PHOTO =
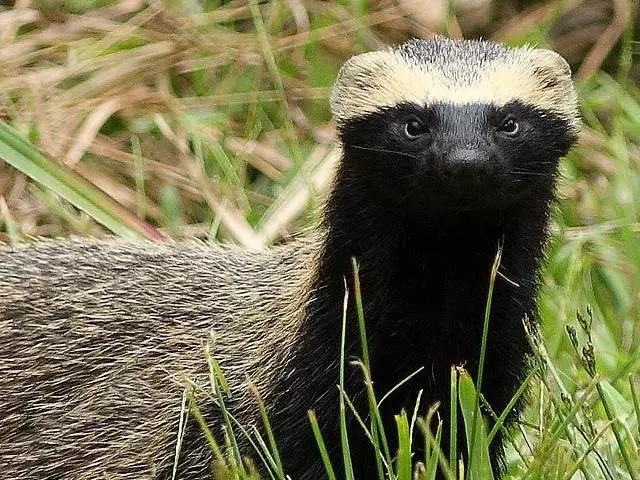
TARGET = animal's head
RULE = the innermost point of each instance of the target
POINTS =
(454, 124)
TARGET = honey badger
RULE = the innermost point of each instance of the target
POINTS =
(450, 148)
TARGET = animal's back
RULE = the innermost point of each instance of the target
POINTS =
(99, 340)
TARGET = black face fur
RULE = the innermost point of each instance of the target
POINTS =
(455, 157)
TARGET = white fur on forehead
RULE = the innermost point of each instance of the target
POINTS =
(454, 71)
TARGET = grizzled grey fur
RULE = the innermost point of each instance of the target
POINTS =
(95, 353)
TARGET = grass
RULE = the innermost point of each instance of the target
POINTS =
(183, 119)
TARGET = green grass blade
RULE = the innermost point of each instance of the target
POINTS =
(181, 430)
(366, 430)
(360, 314)
(344, 436)
(326, 461)
(377, 426)
(432, 461)
(403, 462)
(434, 456)
(521, 389)
(414, 417)
(399, 384)
(373, 406)
(479, 464)
(483, 348)
(27, 158)
(453, 420)
(267, 426)
(196, 413)
(605, 392)
(579, 463)
(218, 382)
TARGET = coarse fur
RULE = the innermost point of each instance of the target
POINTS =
(98, 340)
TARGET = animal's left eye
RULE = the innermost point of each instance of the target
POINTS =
(414, 128)
(509, 127)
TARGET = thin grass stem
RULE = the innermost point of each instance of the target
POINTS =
(324, 454)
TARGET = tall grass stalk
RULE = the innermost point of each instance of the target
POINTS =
(218, 384)
(344, 436)
(326, 461)
(453, 421)
(483, 352)
(364, 346)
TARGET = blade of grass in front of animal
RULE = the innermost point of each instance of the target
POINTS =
(499, 422)
(419, 473)
(260, 449)
(195, 411)
(25, 157)
(414, 417)
(326, 461)
(267, 426)
(235, 468)
(181, 424)
(453, 421)
(399, 384)
(367, 432)
(432, 460)
(376, 419)
(479, 465)
(508, 435)
(344, 437)
(483, 348)
(434, 456)
(360, 313)
(263, 452)
(373, 407)
(218, 384)
(403, 459)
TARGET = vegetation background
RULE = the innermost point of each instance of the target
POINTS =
(174, 119)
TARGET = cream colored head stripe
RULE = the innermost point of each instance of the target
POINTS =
(439, 70)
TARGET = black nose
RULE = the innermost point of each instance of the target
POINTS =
(468, 159)
(467, 167)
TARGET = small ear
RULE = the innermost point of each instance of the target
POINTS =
(357, 75)
(551, 61)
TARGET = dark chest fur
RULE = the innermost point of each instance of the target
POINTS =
(424, 288)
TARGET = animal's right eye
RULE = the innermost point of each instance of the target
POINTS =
(509, 127)
(414, 128)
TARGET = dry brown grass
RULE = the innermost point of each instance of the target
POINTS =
(193, 119)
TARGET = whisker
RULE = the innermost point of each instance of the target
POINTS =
(382, 150)
(525, 173)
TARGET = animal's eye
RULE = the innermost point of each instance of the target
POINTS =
(509, 127)
(414, 128)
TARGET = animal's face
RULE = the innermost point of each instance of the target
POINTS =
(472, 125)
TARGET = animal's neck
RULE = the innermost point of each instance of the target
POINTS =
(424, 282)
(401, 252)
(426, 272)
